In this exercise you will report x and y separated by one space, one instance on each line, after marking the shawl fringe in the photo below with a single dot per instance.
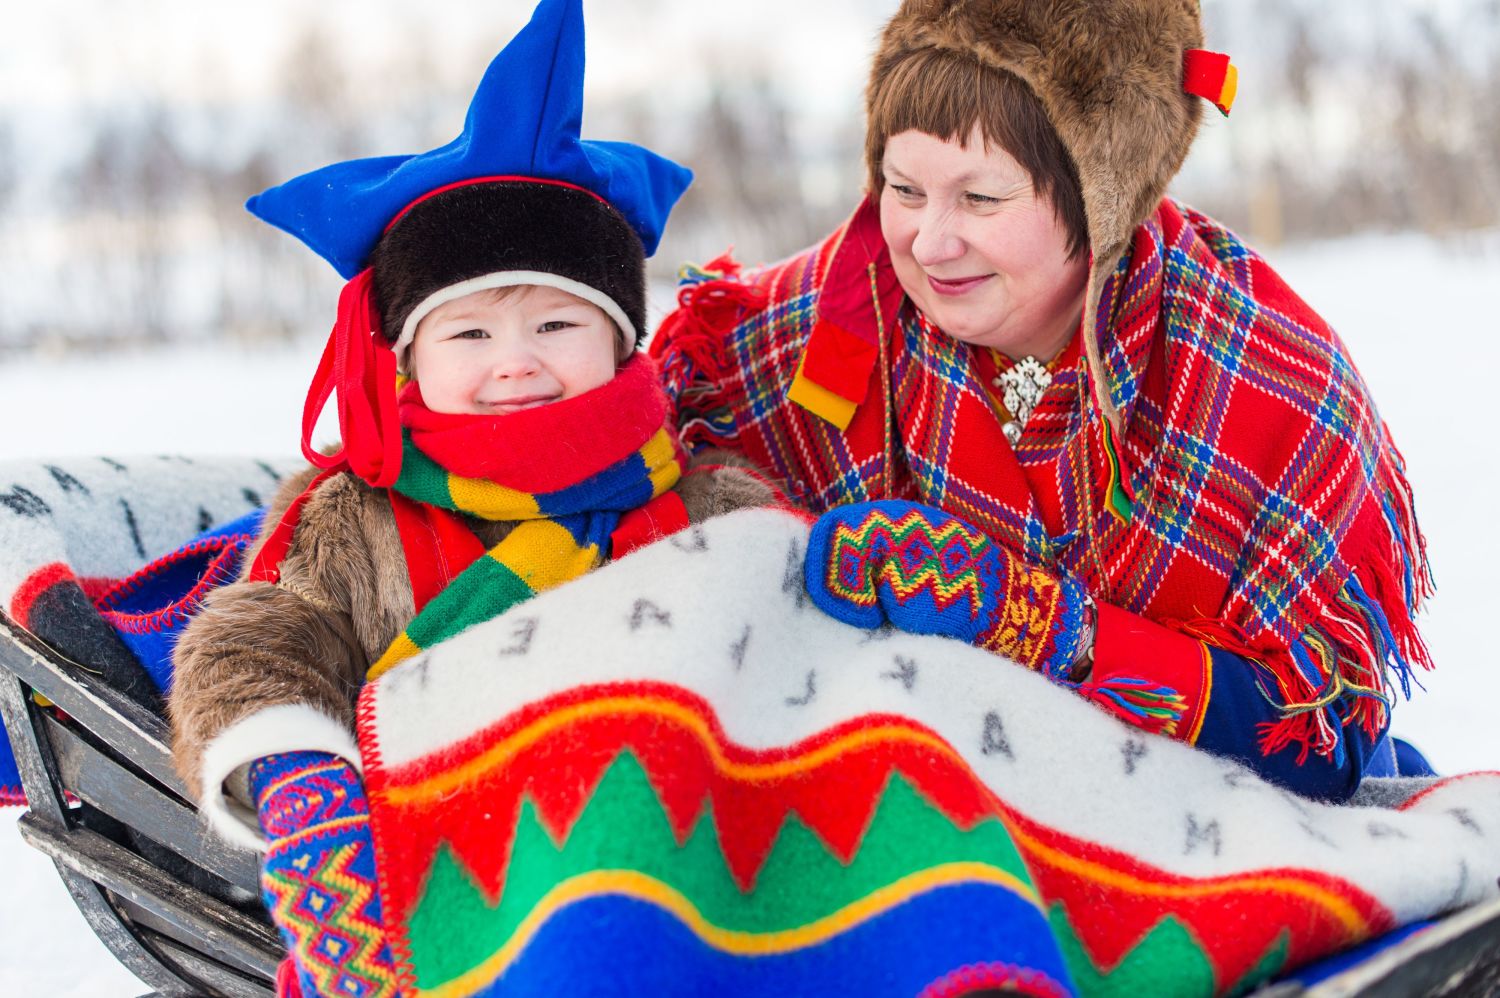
1346 671
688 348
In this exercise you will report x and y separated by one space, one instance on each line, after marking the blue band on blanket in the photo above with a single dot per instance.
150 609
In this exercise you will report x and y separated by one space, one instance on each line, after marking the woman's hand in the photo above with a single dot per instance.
319 876
929 572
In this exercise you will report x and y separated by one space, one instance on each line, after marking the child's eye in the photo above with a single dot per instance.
472 334
554 326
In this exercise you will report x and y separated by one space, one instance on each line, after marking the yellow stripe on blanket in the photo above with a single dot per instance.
631 883
670 712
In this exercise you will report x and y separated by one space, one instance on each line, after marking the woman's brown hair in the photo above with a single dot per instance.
946 94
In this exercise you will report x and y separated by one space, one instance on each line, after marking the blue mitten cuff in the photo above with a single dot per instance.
319 881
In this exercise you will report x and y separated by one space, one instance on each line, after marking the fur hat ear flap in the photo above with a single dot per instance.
1110 75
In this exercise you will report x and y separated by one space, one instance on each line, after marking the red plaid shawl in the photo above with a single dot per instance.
1271 515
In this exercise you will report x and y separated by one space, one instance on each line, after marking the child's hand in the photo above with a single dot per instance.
929 572
319 876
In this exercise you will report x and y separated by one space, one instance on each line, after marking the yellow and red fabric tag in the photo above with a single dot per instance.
842 352
1212 76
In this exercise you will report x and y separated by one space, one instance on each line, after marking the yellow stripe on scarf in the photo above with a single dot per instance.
399 651
490 501
544 554
661 462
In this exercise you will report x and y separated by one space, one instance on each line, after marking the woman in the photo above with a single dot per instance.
1171 481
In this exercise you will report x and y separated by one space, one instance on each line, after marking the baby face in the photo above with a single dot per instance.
500 351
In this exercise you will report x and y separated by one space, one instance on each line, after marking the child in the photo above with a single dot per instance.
503 275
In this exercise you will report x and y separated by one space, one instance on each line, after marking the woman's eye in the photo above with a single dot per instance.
554 326
906 191
982 200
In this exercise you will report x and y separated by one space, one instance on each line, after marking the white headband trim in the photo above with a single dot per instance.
507 279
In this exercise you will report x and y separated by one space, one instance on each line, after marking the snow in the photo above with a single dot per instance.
1413 312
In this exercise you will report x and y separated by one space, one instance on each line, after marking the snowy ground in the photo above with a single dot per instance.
1415 314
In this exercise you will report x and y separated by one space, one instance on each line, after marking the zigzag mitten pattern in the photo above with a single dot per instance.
319 880
929 572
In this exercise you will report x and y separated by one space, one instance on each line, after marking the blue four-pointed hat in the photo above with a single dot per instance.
524 121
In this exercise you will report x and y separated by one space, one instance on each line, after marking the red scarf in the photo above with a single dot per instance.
548 447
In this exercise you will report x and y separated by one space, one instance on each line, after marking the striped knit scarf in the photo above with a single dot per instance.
607 452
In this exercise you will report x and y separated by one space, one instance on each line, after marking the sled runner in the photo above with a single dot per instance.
177 906
182 911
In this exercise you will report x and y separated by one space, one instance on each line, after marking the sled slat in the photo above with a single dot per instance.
131 730
228 934
223 979
122 795
1462 952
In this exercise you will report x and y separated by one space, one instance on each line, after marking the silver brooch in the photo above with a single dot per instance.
1021 389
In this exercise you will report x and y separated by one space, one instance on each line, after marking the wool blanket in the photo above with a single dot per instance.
657 781
105 558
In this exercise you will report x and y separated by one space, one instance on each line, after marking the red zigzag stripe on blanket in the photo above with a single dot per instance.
555 751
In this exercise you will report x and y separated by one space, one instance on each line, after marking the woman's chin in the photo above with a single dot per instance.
973 324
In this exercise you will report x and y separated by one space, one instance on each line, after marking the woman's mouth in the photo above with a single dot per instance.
958 285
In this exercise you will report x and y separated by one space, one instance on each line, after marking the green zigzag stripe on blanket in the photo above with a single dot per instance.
800 882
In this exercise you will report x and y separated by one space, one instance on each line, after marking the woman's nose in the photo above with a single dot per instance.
937 241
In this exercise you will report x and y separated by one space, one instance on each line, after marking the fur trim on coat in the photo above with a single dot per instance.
343 597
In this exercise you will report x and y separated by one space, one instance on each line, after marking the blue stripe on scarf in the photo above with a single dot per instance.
625 485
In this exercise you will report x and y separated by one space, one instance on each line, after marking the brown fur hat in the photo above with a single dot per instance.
1109 74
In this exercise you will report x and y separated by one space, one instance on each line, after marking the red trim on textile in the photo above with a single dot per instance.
95 586
219 570
1128 645
546 181
1441 784
360 366
438 545
33 586
371 752
691 765
267 564
1006 977
12 797
661 517
706 311
287 985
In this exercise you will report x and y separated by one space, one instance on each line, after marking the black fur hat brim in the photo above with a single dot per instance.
498 233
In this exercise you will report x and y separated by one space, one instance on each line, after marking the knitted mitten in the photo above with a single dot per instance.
319 875
928 572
